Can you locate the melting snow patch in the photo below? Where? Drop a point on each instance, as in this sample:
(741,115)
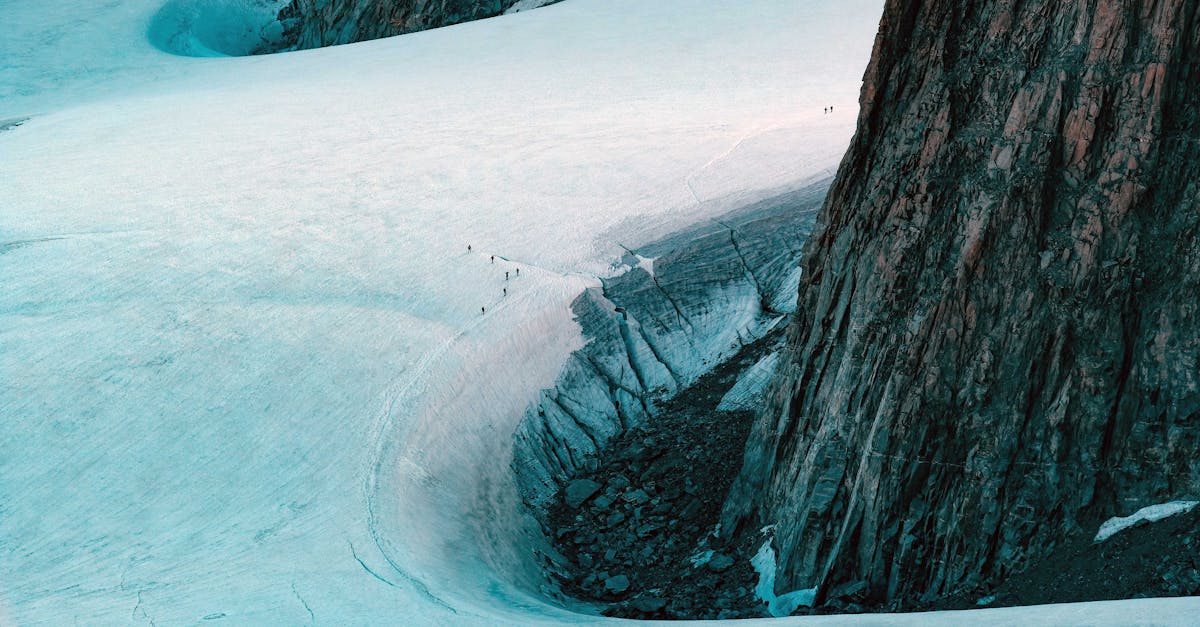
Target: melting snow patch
(784,604)
(1150,513)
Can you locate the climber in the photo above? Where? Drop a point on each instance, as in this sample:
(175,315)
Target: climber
(518,272)
(506,275)
(505,291)
(493,259)
(483,310)
(468,248)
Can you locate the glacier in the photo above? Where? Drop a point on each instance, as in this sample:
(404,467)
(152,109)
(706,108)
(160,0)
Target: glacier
(245,375)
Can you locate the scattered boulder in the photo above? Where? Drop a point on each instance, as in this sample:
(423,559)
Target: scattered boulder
(618,584)
(648,604)
(636,497)
(719,562)
(579,491)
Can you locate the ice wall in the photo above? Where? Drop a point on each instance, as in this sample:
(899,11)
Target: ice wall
(217,28)
(683,305)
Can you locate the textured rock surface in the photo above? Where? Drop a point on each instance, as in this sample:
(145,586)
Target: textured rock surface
(316,23)
(997,339)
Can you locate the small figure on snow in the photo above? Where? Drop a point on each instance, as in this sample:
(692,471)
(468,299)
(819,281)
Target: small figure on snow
(483,310)
(468,248)
(518,272)
(506,275)
(493,259)
(505,291)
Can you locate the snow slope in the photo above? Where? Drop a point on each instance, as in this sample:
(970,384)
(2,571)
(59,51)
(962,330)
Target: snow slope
(244,374)
(244,366)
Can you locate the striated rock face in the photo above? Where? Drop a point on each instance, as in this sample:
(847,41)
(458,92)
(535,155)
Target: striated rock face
(998,336)
(317,23)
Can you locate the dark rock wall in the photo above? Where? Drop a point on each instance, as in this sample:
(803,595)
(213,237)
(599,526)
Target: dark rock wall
(997,339)
(317,23)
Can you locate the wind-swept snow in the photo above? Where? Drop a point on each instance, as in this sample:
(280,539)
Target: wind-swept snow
(245,369)
(244,372)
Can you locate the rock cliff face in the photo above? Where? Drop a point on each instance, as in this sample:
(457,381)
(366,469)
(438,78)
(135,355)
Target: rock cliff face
(998,336)
(317,23)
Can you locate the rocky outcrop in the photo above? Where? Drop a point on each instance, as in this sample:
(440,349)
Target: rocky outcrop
(998,338)
(317,23)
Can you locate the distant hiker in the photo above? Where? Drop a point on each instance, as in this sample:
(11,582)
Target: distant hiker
(483,310)
(518,272)
(831,108)
(493,259)
(468,248)
(506,275)
(505,291)
(826,109)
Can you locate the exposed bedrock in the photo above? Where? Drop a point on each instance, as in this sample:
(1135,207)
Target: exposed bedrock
(685,304)
(317,23)
(997,340)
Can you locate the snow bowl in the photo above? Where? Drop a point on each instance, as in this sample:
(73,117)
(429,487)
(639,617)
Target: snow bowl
(217,28)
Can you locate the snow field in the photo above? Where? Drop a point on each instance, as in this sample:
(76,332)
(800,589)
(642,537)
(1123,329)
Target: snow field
(244,367)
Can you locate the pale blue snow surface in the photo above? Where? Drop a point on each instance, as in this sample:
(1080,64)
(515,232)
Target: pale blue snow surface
(244,372)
